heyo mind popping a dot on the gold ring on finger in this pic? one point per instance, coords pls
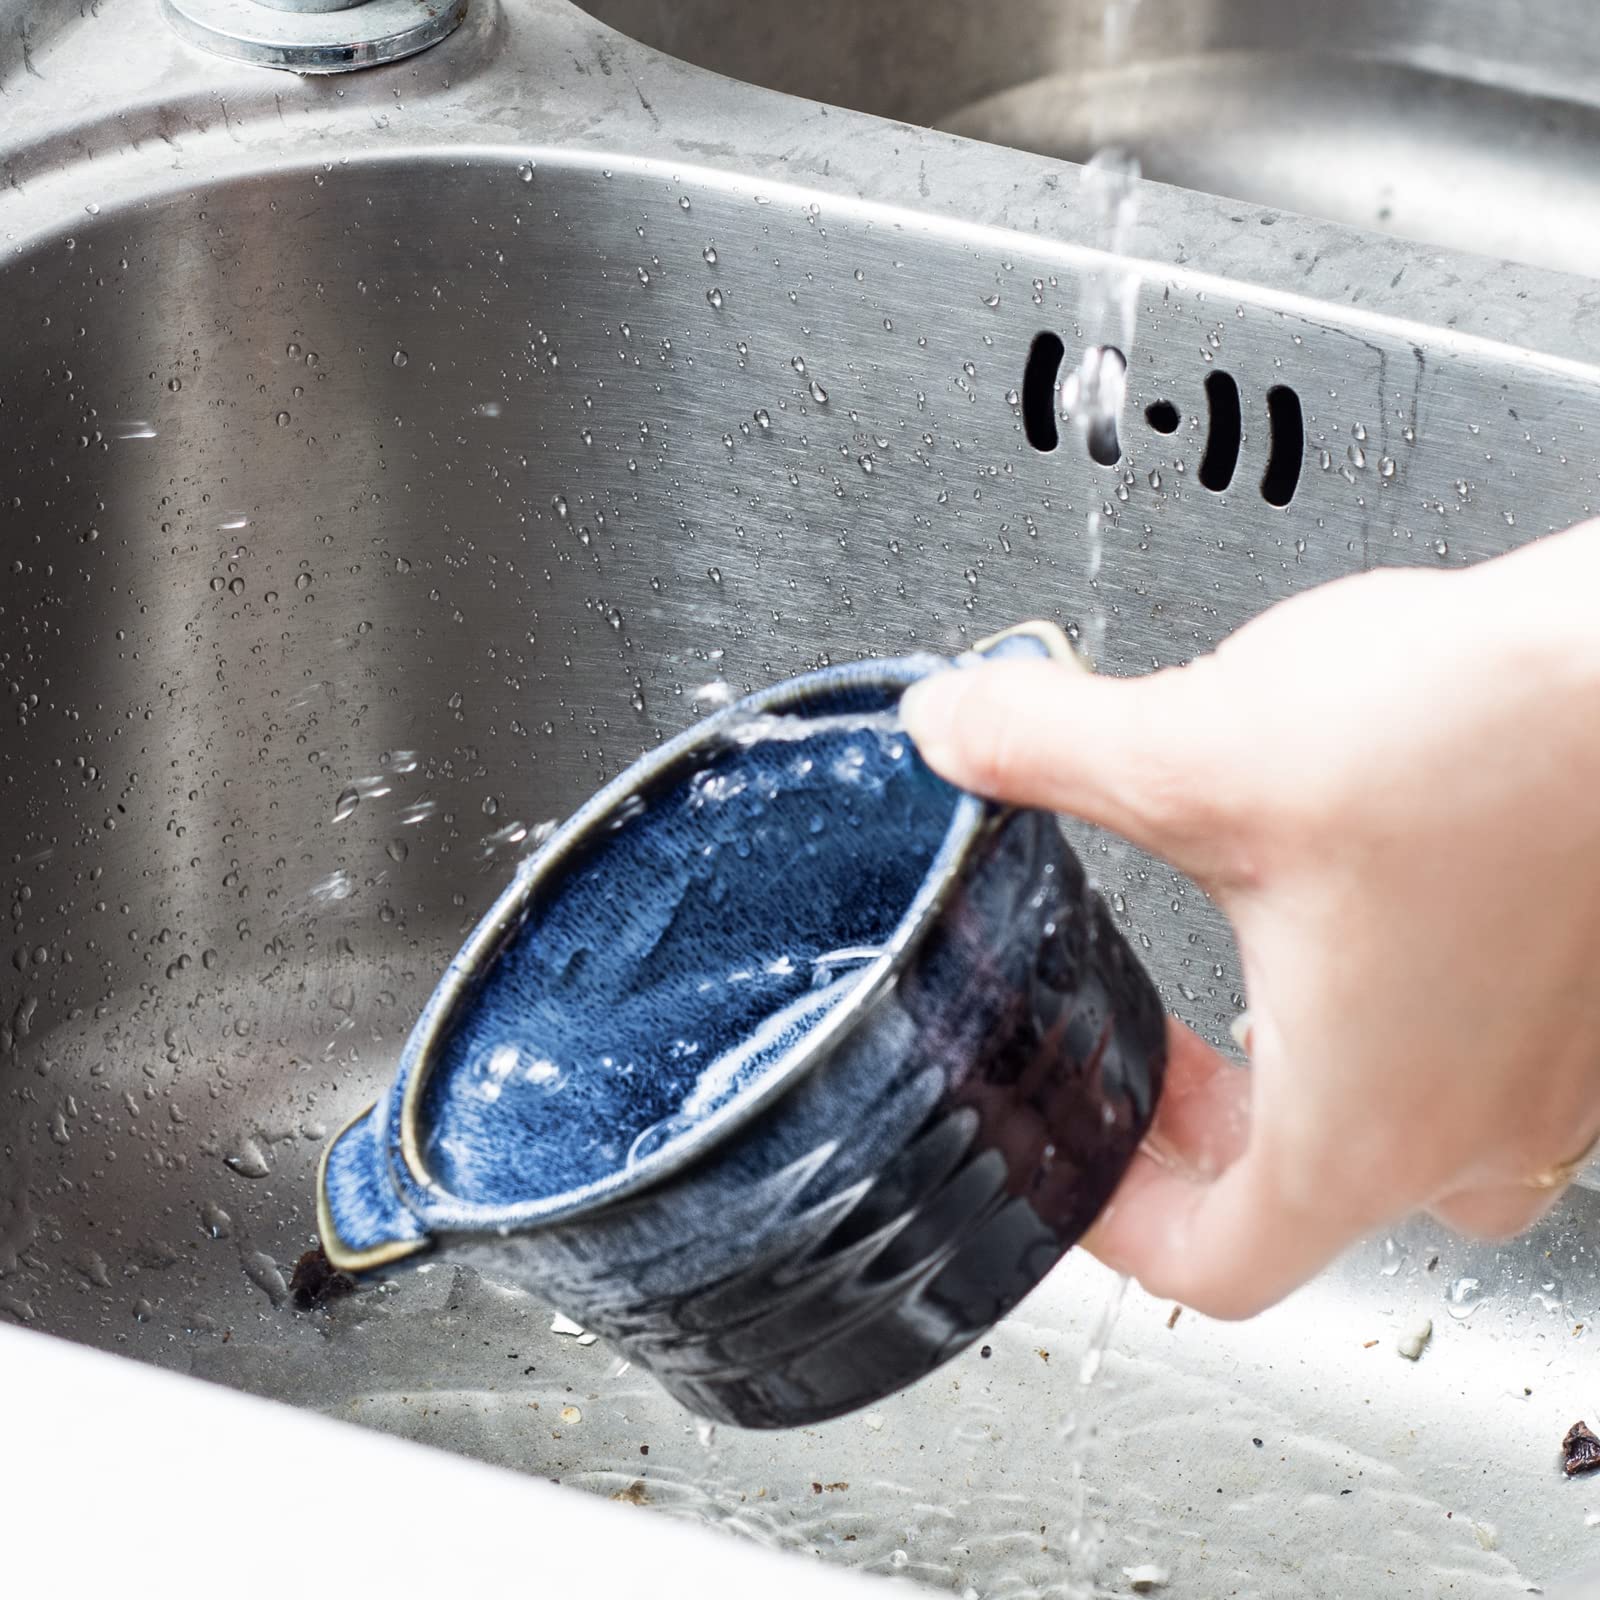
(1563, 1172)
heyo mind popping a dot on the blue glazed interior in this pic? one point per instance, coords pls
(683, 954)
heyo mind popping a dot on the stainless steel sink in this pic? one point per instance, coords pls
(383, 464)
(1463, 125)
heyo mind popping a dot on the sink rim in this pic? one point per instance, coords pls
(644, 106)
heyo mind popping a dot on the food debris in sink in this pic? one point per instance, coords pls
(1582, 1449)
(315, 1282)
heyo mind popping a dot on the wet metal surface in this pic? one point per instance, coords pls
(383, 468)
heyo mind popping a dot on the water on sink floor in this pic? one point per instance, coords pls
(1000, 1476)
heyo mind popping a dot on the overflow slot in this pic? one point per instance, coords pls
(1092, 397)
(1287, 449)
(1039, 391)
(1224, 433)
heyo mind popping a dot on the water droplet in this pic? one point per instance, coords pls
(714, 298)
(215, 1221)
(400, 358)
(249, 1161)
(1393, 1256)
(1440, 547)
(710, 255)
(263, 1272)
(397, 849)
(991, 300)
(1463, 1297)
(526, 170)
(798, 363)
(683, 202)
(1359, 432)
(174, 384)
(644, 277)
(1386, 466)
(558, 504)
(1155, 478)
(282, 419)
(714, 574)
(818, 393)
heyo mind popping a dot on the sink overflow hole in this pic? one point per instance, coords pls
(1225, 432)
(1163, 416)
(1039, 391)
(1287, 449)
(1102, 380)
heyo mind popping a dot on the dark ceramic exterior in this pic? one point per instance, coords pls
(930, 1153)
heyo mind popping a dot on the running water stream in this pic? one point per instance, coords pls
(1091, 398)
(1092, 393)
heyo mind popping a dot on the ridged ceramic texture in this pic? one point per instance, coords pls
(930, 1134)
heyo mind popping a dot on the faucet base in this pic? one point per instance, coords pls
(364, 35)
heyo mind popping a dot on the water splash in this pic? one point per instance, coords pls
(713, 696)
(1086, 1533)
(1100, 1340)
(848, 956)
(765, 727)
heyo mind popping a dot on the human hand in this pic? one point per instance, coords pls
(1391, 786)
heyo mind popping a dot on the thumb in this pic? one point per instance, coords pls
(1148, 758)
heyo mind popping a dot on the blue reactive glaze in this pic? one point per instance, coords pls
(688, 953)
(357, 1190)
(786, 1186)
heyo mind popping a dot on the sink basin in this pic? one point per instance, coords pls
(387, 462)
(1452, 125)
